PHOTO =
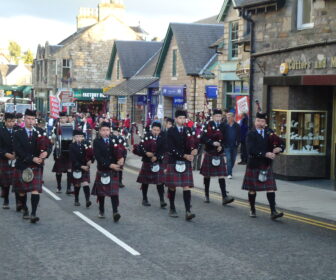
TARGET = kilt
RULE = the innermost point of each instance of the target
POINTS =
(251, 182)
(111, 189)
(208, 170)
(146, 176)
(85, 178)
(6, 173)
(165, 161)
(173, 178)
(21, 187)
(62, 165)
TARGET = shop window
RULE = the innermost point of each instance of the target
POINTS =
(233, 40)
(304, 131)
(304, 14)
(66, 69)
(118, 69)
(174, 66)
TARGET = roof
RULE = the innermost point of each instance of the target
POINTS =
(132, 56)
(74, 36)
(6, 69)
(254, 3)
(209, 20)
(148, 69)
(193, 41)
(54, 48)
(139, 30)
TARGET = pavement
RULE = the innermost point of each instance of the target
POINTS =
(316, 198)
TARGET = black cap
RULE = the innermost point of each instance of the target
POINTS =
(9, 116)
(78, 132)
(105, 124)
(115, 128)
(170, 120)
(261, 115)
(31, 113)
(18, 115)
(217, 112)
(180, 113)
(156, 124)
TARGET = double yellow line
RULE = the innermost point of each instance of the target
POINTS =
(288, 216)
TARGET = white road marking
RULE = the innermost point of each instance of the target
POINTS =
(51, 193)
(107, 234)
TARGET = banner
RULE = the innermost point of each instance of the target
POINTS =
(242, 106)
(54, 107)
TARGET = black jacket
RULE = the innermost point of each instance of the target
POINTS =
(77, 155)
(257, 147)
(177, 144)
(226, 135)
(160, 148)
(208, 141)
(104, 154)
(6, 142)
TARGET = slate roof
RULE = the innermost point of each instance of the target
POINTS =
(132, 86)
(193, 41)
(54, 48)
(209, 20)
(251, 3)
(6, 69)
(139, 30)
(74, 36)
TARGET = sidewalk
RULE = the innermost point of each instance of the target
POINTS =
(312, 197)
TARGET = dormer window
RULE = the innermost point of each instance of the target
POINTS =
(233, 40)
(304, 14)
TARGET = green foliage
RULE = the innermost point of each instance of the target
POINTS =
(28, 57)
(14, 51)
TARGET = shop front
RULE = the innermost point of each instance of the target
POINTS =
(174, 98)
(90, 101)
(211, 94)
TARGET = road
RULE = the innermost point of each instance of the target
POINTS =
(221, 243)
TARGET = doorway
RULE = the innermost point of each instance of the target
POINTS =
(333, 150)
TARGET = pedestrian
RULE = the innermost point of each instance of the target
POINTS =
(109, 163)
(179, 169)
(243, 133)
(262, 147)
(213, 163)
(50, 124)
(28, 168)
(152, 149)
(232, 141)
(80, 166)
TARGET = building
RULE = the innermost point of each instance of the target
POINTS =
(77, 66)
(294, 77)
(187, 66)
(134, 89)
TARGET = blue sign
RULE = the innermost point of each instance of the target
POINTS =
(173, 91)
(178, 100)
(211, 92)
(142, 100)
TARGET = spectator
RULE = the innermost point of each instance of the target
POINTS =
(50, 125)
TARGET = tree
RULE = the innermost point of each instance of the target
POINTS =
(14, 51)
(28, 57)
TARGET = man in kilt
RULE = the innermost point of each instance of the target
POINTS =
(80, 167)
(7, 157)
(119, 139)
(109, 163)
(262, 147)
(179, 169)
(63, 163)
(152, 148)
(28, 167)
(213, 163)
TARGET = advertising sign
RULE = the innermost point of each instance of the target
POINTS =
(54, 107)
(242, 106)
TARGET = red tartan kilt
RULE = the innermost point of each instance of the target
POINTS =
(21, 187)
(146, 176)
(85, 178)
(208, 170)
(165, 161)
(251, 182)
(6, 173)
(62, 165)
(176, 179)
(111, 189)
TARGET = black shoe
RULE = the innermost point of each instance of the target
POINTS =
(58, 190)
(18, 208)
(275, 215)
(5, 206)
(77, 203)
(121, 185)
(26, 215)
(163, 204)
(173, 213)
(68, 191)
(116, 217)
(206, 199)
(253, 213)
(227, 200)
(101, 215)
(189, 216)
(242, 163)
(146, 203)
(88, 204)
(34, 219)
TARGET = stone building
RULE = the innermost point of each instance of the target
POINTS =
(294, 77)
(79, 63)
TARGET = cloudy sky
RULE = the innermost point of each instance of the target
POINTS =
(30, 22)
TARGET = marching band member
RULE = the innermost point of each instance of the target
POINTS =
(122, 143)
(262, 147)
(213, 163)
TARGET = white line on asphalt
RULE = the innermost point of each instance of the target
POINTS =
(51, 193)
(107, 234)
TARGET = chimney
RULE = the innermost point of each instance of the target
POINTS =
(87, 17)
(108, 8)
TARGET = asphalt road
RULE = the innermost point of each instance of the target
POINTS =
(221, 243)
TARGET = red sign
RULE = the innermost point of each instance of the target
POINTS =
(242, 106)
(54, 107)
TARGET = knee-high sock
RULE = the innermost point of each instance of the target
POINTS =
(115, 203)
(5, 193)
(69, 180)
(171, 196)
(222, 186)
(206, 186)
(59, 180)
(35, 198)
(271, 200)
(86, 190)
(120, 176)
(252, 199)
(17, 199)
(144, 188)
(77, 189)
(160, 189)
(187, 199)
(101, 200)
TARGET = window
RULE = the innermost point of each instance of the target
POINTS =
(174, 67)
(66, 69)
(304, 14)
(46, 71)
(118, 69)
(233, 40)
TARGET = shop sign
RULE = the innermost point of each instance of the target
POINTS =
(160, 111)
(211, 92)
(122, 100)
(90, 94)
(321, 62)
(173, 91)
(242, 106)
(65, 95)
(54, 106)
(141, 100)
(69, 104)
(243, 69)
(178, 100)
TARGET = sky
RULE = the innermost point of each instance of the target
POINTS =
(33, 22)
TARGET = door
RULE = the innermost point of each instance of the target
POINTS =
(333, 150)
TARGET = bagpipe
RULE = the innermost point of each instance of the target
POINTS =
(43, 141)
(89, 154)
(193, 141)
(119, 147)
(147, 144)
